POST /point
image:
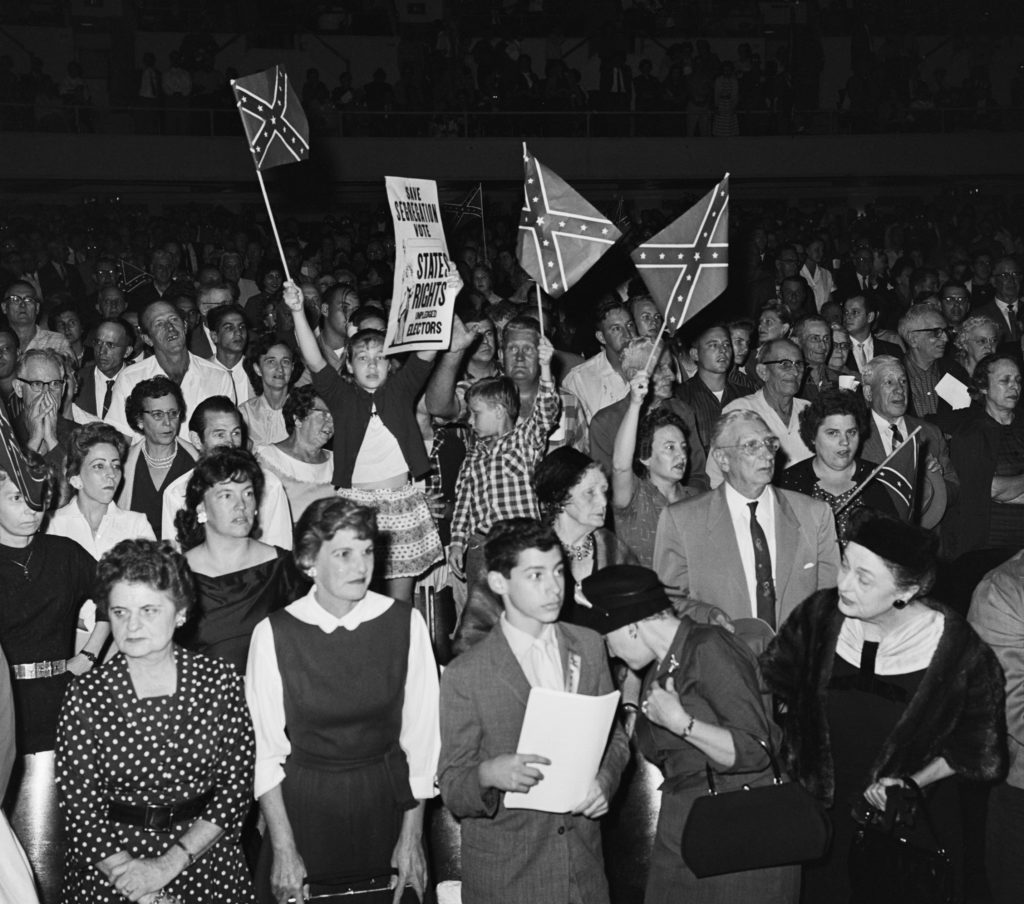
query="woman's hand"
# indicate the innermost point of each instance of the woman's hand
(663, 708)
(411, 862)
(79, 665)
(638, 388)
(293, 296)
(876, 792)
(288, 876)
(137, 877)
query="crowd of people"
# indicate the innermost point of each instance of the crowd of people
(220, 502)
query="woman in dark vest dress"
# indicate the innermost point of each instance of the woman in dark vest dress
(343, 690)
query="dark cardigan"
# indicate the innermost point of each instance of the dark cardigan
(957, 712)
(351, 407)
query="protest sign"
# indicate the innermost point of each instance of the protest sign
(426, 280)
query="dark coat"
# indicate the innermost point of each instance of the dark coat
(957, 712)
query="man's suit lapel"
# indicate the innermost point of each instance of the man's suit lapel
(873, 450)
(572, 660)
(787, 538)
(87, 393)
(724, 549)
(506, 666)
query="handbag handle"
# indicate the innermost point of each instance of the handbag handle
(777, 774)
(922, 808)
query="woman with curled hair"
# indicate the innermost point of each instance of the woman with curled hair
(343, 690)
(883, 687)
(572, 492)
(649, 465)
(834, 426)
(239, 580)
(975, 338)
(270, 365)
(155, 750)
(988, 454)
(154, 410)
(301, 461)
(96, 454)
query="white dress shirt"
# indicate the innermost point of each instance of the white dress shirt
(420, 736)
(202, 380)
(274, 512)
(239, 379)
(821, 283)
(596, 384)
(864, 351)
(539, 657)
(116, 525)
(739, 511)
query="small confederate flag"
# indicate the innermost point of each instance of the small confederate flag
(899, 476)
(272, 117)
(561, 235)
(686, 265)
(472, 206)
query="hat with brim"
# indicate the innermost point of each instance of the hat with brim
(619, 595)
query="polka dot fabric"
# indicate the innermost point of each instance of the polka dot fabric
(113, 746)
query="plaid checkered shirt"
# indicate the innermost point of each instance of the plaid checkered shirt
(495, 479)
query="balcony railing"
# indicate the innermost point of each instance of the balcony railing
(224, 121)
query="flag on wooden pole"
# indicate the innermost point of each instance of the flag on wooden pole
(272, 117)
(561, 234)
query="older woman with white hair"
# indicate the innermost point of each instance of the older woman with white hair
(976, 337)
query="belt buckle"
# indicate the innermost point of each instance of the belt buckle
(158, 818)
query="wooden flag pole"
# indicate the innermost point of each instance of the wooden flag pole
(654, 351)
(859, 489)
(273, 225)
(540, 310)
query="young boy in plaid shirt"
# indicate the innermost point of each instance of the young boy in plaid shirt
(495, 482)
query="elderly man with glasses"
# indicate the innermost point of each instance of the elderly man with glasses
(21, 308)
(39, 385)
(781, 365)
(923, 330)
(746, 549)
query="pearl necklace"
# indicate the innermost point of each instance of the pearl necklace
(158, 462)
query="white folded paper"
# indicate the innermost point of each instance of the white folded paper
(571, 730)
(954, 391)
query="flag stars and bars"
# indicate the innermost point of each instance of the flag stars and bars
(561, 235)
(686, 265)
(272, 117)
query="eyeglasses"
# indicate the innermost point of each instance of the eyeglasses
(817, 340)
(752, 447)
(936, 332)
(1012, 274)
(842, 345)
(40, 385)
(22, 299)
(959, 299)
(787, 364)
(161, 416)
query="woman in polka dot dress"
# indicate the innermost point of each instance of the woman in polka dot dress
(155, 751)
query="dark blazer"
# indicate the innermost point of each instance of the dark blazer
(696, 554)
(848, 285)
(881, 347)
(199, 344)
(50, 281)
(515, 856)
(86, 398)
(956, 713)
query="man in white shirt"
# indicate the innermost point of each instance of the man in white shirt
(216, 422)
(780, 363)
(819, 278)
(859, 315)
(598, 381)
(112, 344)
(230, 336)
(164, 331)
(746, 549)
(1005, 308)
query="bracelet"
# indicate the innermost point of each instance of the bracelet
(188, 853)
(630, 708)
(88, 655)
(686, 731)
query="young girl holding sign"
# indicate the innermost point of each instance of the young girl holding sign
(378, 449)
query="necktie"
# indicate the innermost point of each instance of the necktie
(897, 437)
(1011, 314)
(107, 397)
(764, 585)
(547, 666)
(859, 355)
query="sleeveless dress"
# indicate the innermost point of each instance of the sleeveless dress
(346, 783)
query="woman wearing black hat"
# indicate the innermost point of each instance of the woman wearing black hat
(701, 706)
(881, 684)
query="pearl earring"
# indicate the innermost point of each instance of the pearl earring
(312, 573)
(201, 517)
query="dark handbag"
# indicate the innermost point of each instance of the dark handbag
(889, 861)
(754, 828)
